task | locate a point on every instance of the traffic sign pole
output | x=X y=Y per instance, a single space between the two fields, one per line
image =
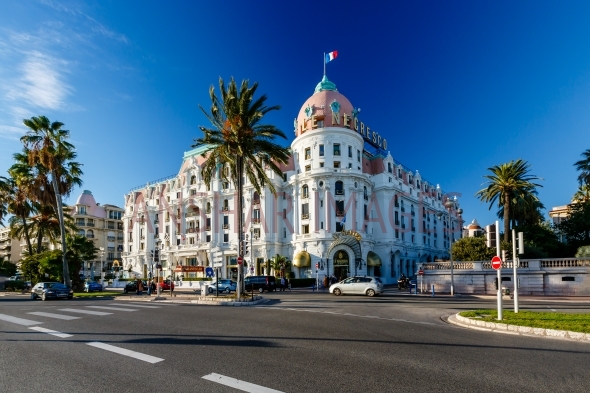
x=499 y=291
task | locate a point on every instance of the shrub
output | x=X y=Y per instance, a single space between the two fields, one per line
x=583 y=252
x=197 y=279
x=12 y=285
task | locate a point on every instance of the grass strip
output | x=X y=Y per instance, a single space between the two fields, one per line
x=97 y=294
x=546 y=320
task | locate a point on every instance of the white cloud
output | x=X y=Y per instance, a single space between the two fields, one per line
x=11 y=132
x=41 y=83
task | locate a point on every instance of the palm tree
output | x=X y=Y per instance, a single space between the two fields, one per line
x=583 y=194
x=508 y=182
x=47 y=147
x=278 y=263
x=16 y=202
x=45 y=223
x=238 y=141
x=525 y=210
x=584 y=166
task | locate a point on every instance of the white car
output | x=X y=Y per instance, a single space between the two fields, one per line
x=358 y=285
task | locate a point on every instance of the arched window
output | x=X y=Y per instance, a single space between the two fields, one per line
x=389 y=167
x=193 y=179
x=90 y=234
x=395 y=200
x=256 y=198
x=225 y=205
x=339 y=188
x=208 y=208
x=82 y=232
x=305 y=191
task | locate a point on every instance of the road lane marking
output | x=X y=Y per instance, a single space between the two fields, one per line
x=18 y=321
x=237 y=384
x=52 y=332
x=85 y=311
x=125 y=352
x=113 y=308
x=51 y=315
x=133 y=305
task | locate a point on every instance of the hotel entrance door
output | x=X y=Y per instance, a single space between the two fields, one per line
x=341 y=265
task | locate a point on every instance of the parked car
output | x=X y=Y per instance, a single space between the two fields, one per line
x=90 y=286
x=226 y=286
x=358 y=285
x=51 y=290
x=132 y=286
x=165 y=285
x=260 y=283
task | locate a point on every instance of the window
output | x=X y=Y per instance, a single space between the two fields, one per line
x=284 y=233
x=284 y=177
x=208 y=238
x=225 y=222
x=82 y=209
x=226 y=237
x=322 y=225
x=305 y=191
x=208 y=225
x=339 y=188
x=305 y=211
x=225 y=205
x=305 y=228
x=337 y=149
x=321 y=150
x=397 y=233
x=225 y=185
x=336 y=164
x=307 y=168
x=208 y=189
x=193 y=192
x=193 y=179
x=308 y=153
x=358 y=155
x=349 y=166
x=321 y=164
x=350 y=151
x=208 y=209
x=365 y=193
x=177 y=195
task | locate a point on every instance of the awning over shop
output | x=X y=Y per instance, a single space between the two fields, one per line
x=302 y=259
x=189 y=269
x=373 y=259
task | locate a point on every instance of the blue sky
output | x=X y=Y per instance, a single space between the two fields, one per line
x=455 y=87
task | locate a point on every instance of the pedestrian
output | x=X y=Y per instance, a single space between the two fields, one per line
x=139 y=287
x=326 y=283
x=289 y=283
x=283 y=284
x=149 y=288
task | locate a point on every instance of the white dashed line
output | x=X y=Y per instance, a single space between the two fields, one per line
x=126 y=352
x=51 y=315
x=113 y=308
x=52 y=332
x=133 y=305
x=18 y=321
x=90 y=312
x=237 y=384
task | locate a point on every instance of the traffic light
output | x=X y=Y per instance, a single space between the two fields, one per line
x=152 y=254
x=245 y=246
x=491 y=236
x=496 y=283
x=157 y=255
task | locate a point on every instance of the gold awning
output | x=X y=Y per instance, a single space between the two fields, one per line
x=302 y=259
x=373 y=259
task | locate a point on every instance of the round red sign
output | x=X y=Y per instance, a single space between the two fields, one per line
x=496 y=262
x=420 y=272
x=240 y=260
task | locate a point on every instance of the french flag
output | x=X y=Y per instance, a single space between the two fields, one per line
x=331 y=56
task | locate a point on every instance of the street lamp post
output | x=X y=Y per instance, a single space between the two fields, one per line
x=451 y=204
x=101 y=265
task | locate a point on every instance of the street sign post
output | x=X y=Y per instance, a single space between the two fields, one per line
x=240 y=260
x=497 y=262
x=218 y=264
x=421 y=274
x=317 y=265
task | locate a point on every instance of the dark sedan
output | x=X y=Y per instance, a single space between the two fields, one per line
x=51 y=290
x=90 y=286
x=132 y=286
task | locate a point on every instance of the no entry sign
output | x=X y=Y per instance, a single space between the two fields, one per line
x=496 y=262
x=240 y=260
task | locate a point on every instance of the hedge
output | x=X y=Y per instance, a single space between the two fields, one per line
x=197 y=279
x=300 y=282
x=14 y=285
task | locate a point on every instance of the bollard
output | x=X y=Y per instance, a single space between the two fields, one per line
x=432 y=290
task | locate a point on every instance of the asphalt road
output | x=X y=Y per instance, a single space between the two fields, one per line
x=296 y=342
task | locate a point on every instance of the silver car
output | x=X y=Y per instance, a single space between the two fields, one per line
x=226 y=286
x=358 y=285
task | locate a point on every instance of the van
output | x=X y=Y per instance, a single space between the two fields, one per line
x=260 y=283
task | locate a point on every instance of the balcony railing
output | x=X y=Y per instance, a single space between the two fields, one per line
x=225 y=208
x=225 y=226
x=256 y=202
x=207 y=228
x=339 y=192
x=111 y=238
x=305 y=216
x=90 y=224
x=90 y=236
x=192 y=230
x=339 y=213
x=256 y=220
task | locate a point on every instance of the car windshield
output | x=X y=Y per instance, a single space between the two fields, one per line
x=56 y=285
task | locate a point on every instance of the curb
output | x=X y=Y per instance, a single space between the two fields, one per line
x=517 y=330
x=198 y=302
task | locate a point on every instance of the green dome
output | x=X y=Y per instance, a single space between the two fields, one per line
x=324 y=85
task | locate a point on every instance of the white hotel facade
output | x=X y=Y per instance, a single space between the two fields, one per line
x=340 y=170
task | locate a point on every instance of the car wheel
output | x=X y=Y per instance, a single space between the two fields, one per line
x=370 y=293
x=70 y=297
x=44 y=297
x=337 y=291
x=210 y=290
x=261 y=290
x=124 y=290
x=100 y=290
x=227 y=290
x=33 y=296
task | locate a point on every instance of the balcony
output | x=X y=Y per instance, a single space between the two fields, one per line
x=339 y=192
x=111 y=238
x=110 y=248
x=120 y=239
x=339 y=213
x=256 y=220
x=112 y=226
x=80 y=223
x=90 y=224
x=208 y=211
x=256 y=202
x=225 y=226
x=305 y=196
x=305 y=216
x=90 y=236
x=225 y=208
x=207 y=228
x=190 y=230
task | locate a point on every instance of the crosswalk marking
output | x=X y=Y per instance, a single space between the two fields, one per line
x=113 y=308
x=237 y=384
x=52 y=332
x=85 y=311
x=133 y=305
x=159 y=304
x=51 y=315
x=18 y=321
x=125 y=352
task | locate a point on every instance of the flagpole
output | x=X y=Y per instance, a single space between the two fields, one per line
x=324 y=63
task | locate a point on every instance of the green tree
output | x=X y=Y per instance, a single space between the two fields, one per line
x=582 y=194
x=14 y=196
x=47 y=147
x=507 y=182
x=472 y=249
x=277 y=263
x=584 y=167
x=45 y=266
x=577 y=226
x=80 y=250
x=7 y=268
x=240 y=143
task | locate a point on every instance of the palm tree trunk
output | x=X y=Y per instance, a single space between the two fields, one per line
x=39 y=241
x=240 y=173
x=27 y=237
x=60 y=214
x=506 y=216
